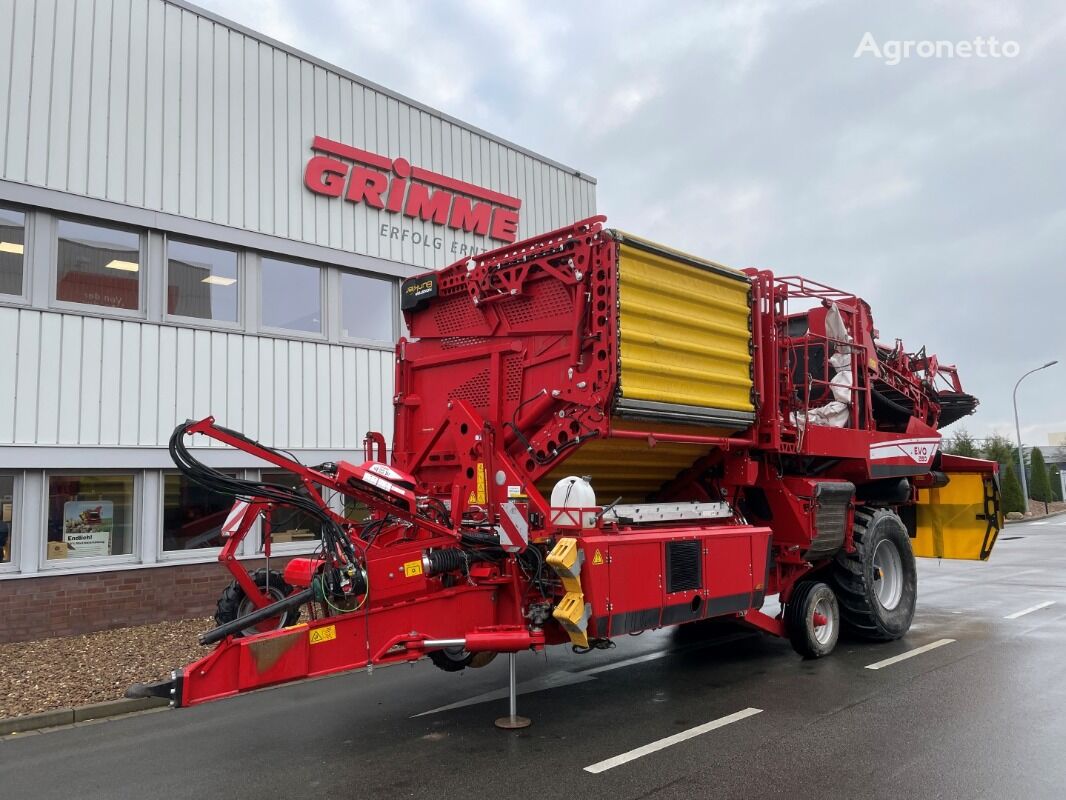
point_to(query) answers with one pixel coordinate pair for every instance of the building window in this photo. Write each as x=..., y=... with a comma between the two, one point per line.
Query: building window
x=90, y=516
x=7, y=514
x=201, y=282
x=287, y=524
x=291, y=296
x=12, y=247
x=98, y=266
x=192, y=515
x=367, y=308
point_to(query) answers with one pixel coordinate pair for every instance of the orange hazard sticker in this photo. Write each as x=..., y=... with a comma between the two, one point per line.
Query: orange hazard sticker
x=326, y=634
x=412, y=568
x=597, y=558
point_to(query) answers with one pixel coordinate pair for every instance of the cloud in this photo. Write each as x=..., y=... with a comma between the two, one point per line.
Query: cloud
x=749, y=133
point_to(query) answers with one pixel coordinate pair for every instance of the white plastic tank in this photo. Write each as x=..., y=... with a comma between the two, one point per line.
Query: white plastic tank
x=576, y=493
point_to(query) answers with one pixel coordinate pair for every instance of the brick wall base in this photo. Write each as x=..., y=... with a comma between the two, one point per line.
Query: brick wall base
x=65, y=605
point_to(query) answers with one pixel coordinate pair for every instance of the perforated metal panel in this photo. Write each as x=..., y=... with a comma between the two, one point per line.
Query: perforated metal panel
x=474, y=391
x=549, y=300
x=683, y=571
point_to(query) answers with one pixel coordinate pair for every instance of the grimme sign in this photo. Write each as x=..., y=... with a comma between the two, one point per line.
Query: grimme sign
x=397, y=187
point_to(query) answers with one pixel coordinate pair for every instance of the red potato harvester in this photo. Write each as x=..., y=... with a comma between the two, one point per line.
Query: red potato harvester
x=596, y=435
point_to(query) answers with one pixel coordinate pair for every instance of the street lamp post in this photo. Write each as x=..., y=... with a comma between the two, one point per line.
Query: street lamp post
x=1018, y=431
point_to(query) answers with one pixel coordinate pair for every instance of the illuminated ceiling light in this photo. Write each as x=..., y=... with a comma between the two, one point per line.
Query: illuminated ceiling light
x=125, y=266
x=218, y=280
x=11, y=247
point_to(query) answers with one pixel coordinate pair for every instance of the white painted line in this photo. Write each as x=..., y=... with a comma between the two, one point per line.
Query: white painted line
x=1030, y=610
x=917, y=651
x=655, y=656
x=628, y=662
x=677, y=738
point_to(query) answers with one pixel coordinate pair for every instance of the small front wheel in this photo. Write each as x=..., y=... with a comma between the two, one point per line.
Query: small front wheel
x=812, y=619
x=455, y=659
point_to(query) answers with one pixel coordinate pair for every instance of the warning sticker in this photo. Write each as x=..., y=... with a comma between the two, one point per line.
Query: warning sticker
x=597, y=558
x=326, y=634
x=481, y=494
x=412, y=568
x=516, y=493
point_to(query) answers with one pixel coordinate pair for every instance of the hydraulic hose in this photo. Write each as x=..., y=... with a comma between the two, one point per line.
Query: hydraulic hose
x=257, y=616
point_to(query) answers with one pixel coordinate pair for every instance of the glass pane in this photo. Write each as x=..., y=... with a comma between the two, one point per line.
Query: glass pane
x=98, y=266
x=90, y=516
x=192, y=516
x=12, y=244
x=292, y=296
x=7, y=508
x=201, y=282
x=367, y=307
x=288, y=524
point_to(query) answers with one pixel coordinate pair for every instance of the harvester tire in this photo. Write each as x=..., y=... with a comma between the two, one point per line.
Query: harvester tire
x=455, y=659
x=812, y=619
x=451, y=659
x=877, y=585
x=234, y=603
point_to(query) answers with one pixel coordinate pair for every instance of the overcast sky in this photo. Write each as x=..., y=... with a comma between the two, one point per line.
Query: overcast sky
x=750, y=134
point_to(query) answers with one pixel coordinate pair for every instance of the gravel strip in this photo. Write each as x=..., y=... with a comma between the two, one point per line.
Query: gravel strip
x=73, y=670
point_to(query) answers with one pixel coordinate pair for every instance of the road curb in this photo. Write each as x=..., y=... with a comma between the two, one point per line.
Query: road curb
x=1034, y=519
x=68, y=716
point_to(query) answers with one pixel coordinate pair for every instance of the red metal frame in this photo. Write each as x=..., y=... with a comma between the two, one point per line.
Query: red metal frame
x=511, y=367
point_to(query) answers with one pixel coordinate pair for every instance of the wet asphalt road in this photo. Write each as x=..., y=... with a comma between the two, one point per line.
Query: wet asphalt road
x=983, y=716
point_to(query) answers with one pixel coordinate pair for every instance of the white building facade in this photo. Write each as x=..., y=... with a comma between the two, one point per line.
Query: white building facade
x=194, y=220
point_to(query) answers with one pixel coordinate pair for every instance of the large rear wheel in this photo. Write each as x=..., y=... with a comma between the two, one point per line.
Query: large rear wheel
x=877, y=585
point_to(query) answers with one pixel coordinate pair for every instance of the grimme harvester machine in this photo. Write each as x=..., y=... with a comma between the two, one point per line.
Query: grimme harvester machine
x=595, y=436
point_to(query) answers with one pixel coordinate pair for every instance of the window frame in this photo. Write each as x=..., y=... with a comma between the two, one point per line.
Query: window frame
x=141, y=312
x=323, y=300
x=13, y=563
x=199, y=322
x=63, y=564
x=254, y=542
x=199, y=554
x=29, y=219
x=394, y=307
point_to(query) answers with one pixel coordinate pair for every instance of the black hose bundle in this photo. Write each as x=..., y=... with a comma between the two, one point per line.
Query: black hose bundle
x=334, y=538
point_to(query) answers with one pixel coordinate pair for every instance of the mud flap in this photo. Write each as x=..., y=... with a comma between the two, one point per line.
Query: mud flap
x=961, y=519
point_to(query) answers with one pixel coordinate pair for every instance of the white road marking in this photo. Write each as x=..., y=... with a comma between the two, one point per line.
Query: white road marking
x=917, y=651
x=628, y=662
x=662, y=744
x=554, y=680
x=550, y=681
x=1030, y=610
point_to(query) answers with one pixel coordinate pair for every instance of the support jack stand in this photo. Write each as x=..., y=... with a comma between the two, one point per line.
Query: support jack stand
x=513, y=722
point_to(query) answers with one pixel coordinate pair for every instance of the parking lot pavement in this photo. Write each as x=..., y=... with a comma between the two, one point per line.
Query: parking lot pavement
x=969, y=704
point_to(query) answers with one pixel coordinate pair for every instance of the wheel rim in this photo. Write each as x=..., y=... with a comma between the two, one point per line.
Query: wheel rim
x=274, y=623
x=455, y=653
x=888, y=574
x=823, y=610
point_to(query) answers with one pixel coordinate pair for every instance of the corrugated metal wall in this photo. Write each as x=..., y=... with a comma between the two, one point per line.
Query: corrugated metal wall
x=149, y=104
x=90, y=381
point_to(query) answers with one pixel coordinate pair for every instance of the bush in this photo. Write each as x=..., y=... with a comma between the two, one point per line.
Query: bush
x=1039, y=485
x=999, y=448
x=1012, y=492
x=962, y=444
